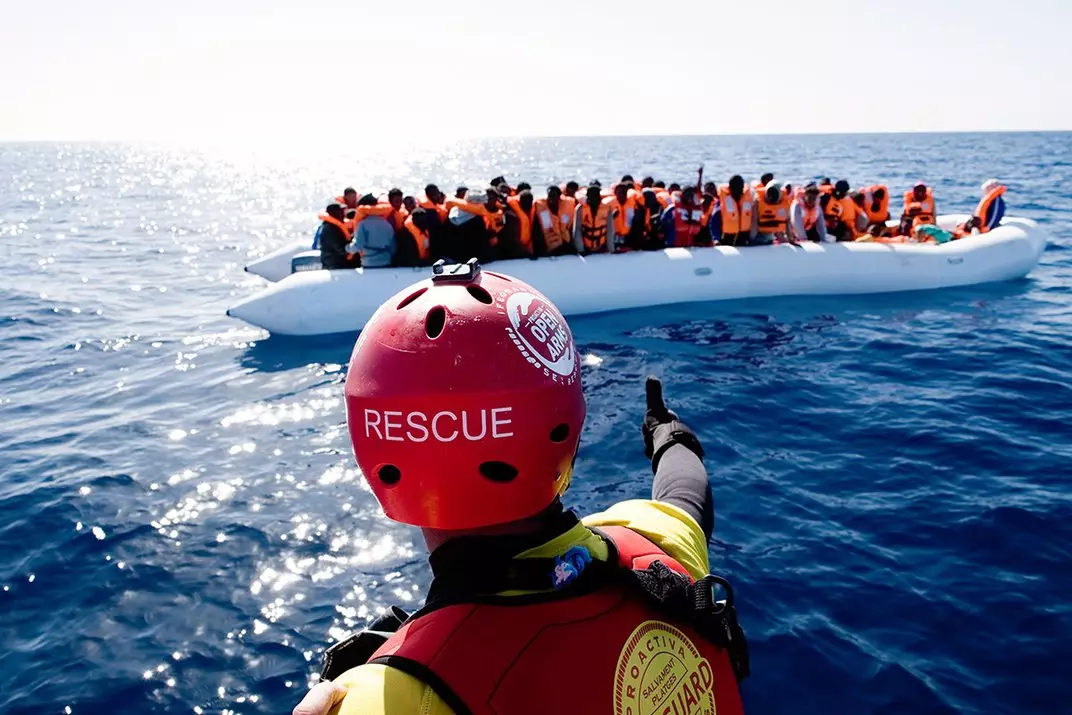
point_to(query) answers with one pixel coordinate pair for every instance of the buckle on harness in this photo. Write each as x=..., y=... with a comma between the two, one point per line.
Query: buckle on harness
x=443, y=272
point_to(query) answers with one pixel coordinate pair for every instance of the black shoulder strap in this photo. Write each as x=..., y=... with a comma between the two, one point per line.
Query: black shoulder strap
x=424, y=674
x=358, y=648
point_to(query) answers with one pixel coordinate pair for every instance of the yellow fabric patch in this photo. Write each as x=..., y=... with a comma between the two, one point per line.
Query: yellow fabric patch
x=665, y=525
x=377, y=689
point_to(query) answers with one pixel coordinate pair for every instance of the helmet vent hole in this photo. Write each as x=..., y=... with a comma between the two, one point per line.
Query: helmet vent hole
x=389, y=474
x=434, y=322
x=480, y=294
x=410, y=298
x=560, y=433
x=498, y=471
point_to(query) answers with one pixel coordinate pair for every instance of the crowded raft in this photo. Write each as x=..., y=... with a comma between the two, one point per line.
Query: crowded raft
x=510, y=222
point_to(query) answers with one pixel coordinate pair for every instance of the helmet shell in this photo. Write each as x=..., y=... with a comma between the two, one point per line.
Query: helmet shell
x=464, y=402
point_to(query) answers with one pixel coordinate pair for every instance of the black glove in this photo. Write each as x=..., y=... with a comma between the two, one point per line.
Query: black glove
x=662, y=429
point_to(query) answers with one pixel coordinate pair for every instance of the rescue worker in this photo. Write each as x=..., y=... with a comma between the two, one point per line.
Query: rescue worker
x=918, y=209
x=552, y=232
x=806, y=216
x=479, y=460
x=333, y=237
x=737, y=206
x=772, y=214
x=683, y=223
x=374, y=238
x=593, y=226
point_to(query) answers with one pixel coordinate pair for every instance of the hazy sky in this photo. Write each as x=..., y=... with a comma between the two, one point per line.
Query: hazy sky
x=198, y=69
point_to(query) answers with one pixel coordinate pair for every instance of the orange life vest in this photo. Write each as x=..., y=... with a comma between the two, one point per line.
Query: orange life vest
x=363, y=212
x=493, y=220
x=811, y=215
x=623, y=215
x=555, y=227
x=488, y=658
x=983, y=208
x=397, y=217
x=687, y=225
x=735, y=219
x=773, y=217
x=882, y=214
x=921, y=211
x=344, y=227
x=524, y=219
x=849, y=209
x=428, y=205
x=831, y=212
x=421, y=238
x=594, y=227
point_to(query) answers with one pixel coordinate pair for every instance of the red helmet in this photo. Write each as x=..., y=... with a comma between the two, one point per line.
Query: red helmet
x=464, y=402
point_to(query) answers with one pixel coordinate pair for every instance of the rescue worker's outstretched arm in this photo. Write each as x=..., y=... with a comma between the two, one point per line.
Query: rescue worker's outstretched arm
x=676, y=459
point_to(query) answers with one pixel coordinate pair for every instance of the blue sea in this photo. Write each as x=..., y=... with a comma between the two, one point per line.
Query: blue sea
x=183, y=529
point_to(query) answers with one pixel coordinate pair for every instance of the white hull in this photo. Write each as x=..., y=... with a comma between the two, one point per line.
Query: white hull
x=276, y=265
x=321, y=302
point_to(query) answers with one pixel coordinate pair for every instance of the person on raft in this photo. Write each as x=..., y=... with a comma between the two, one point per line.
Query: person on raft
x=480, y=461
x=333, y=240
x=374, y=237
x=918, y=209
x=806, y=216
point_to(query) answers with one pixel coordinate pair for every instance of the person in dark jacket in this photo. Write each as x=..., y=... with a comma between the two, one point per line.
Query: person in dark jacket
x=333, y=240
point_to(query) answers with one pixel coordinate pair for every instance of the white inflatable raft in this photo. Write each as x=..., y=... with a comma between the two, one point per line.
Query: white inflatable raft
x=276, y=265
x=320, y=302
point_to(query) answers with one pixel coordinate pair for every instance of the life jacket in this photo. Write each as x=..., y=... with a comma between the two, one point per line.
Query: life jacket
x=882, y=214
x=555, y=227
x=736, y=219
x=344, y=227
x=421, y=238
x=773, y=217
x=594, y=227
x=985, y=219
x=493, y=220
x=849, y=209
x=363, y=212
x=397, y=217
x=525, y=220
x=688, y=223
x=493, y=657
x=831, y=212
x=623, y=215
x=810, y=216
x=921, y=211
x=428, y=205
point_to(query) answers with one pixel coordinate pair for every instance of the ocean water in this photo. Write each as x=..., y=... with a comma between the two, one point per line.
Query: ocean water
x=182, y=528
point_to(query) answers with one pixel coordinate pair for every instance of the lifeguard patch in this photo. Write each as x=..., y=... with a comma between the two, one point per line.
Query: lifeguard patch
x=661, y=672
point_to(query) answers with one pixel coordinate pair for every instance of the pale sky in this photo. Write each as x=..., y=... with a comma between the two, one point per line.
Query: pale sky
x=218, y=69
